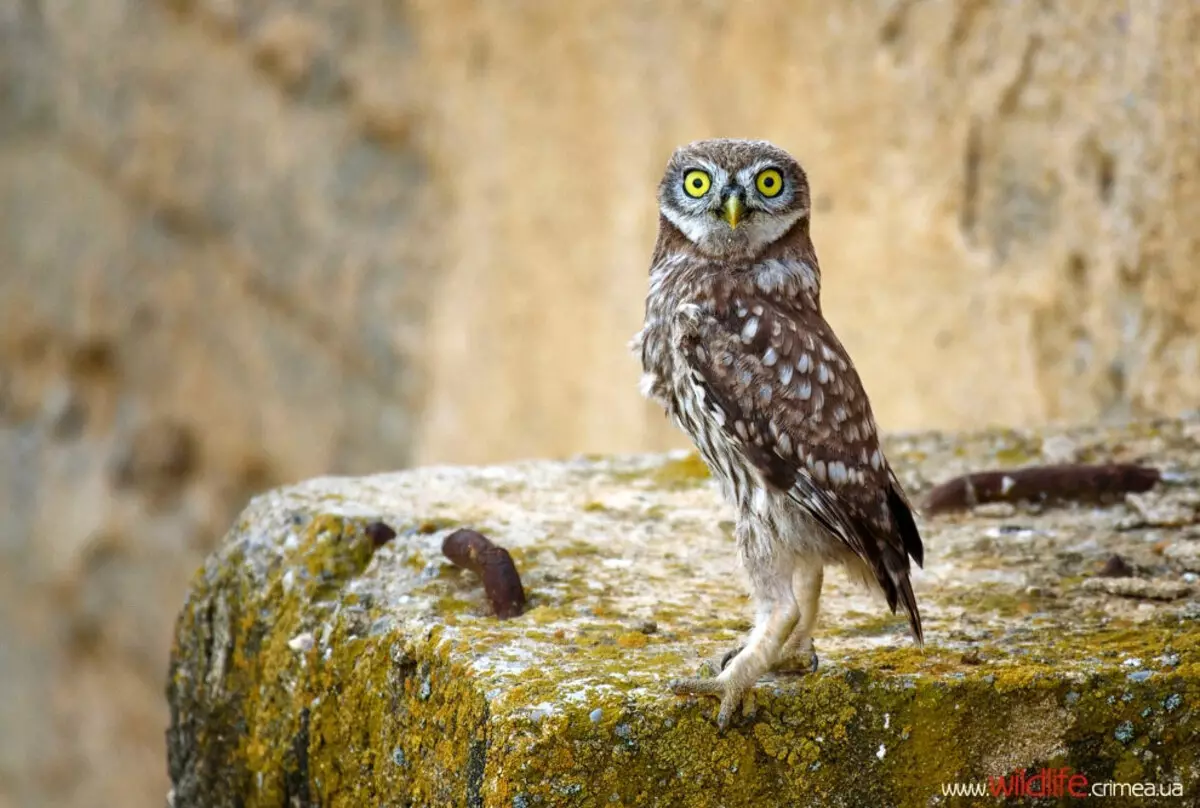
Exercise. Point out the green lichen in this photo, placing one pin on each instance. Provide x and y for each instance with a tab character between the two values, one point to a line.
684	472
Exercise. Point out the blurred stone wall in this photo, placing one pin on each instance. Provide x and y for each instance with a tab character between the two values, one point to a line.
245	243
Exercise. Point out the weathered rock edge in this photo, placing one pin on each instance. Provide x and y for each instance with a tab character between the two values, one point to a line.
311	668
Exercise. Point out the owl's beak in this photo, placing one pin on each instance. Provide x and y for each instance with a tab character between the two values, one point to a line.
734	210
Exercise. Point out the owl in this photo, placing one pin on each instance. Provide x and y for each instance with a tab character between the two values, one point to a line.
736	349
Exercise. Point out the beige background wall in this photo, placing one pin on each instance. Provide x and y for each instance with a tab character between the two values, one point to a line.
1004	202
242	244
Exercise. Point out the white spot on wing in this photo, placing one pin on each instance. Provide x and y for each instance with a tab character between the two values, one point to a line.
822	373
770	357
749	329
804	391
761	503
876	460
785	374
804	364
688	311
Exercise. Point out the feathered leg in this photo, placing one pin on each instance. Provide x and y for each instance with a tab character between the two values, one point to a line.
777	613
798	655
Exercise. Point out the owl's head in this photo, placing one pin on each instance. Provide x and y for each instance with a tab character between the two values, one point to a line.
733	198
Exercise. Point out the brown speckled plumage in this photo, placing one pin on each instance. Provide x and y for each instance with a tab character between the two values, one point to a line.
737	350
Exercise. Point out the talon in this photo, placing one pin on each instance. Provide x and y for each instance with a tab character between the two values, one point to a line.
696	687
749	707
729	655
799	666
731	699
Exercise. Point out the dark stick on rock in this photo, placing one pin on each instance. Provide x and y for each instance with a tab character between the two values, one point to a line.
473	551
1069	482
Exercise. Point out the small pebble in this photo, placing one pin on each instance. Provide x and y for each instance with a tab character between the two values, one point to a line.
1139	676
1115	567
301	642
379	533
1124	732
595	715
1173	702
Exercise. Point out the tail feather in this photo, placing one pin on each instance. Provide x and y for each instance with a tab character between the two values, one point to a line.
910	538
909	535
909	601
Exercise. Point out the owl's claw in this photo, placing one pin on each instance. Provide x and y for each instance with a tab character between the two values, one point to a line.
731	698
799	665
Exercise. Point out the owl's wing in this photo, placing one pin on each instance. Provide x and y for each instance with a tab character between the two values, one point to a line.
786	393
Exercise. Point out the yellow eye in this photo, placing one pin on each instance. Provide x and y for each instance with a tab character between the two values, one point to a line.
769	182
696	182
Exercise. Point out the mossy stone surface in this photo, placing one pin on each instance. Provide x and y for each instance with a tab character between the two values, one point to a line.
313	668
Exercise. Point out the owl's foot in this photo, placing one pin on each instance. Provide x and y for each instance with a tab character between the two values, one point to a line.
797	664
732	696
